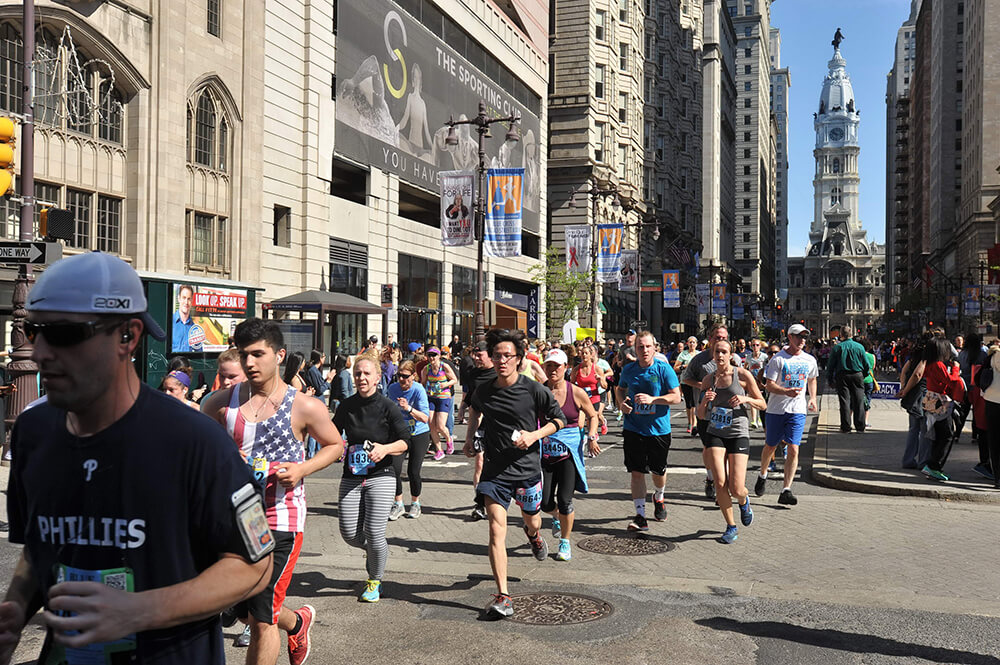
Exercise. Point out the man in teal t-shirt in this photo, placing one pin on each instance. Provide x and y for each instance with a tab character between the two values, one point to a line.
645	391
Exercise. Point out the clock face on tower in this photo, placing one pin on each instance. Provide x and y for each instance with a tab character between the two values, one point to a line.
837	134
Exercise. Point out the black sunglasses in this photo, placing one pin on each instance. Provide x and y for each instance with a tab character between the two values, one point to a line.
66	333
402	377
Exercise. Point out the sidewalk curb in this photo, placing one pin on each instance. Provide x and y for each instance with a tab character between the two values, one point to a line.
826	474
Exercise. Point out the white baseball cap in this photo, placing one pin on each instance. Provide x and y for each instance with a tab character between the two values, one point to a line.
556	356
92	283
798	329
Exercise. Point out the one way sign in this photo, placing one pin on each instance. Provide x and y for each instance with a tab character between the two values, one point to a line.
38	253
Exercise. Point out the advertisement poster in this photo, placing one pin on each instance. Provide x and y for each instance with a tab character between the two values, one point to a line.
991	294
457	208
739	310
577	248
719	299
398	84
972	301
609	249
503	212
951	306
204	318
671	289
703	298
628	278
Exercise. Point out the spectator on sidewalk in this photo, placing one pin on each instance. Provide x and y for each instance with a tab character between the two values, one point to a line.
944	388
847	367
992	398
911	397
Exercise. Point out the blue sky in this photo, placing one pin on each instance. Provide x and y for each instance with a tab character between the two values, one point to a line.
869	28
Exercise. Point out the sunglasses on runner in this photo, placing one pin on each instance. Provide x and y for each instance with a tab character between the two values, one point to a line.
66	333
404	377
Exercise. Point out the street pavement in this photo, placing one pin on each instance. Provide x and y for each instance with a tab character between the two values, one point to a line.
843	577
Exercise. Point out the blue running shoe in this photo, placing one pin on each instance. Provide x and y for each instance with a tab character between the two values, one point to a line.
746	513
565	551
372	592
556	528
729	537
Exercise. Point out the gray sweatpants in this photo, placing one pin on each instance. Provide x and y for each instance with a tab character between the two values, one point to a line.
364	512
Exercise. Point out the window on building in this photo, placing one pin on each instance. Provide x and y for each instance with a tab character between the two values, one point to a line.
746	237
349	268
748	52
206	240
684	178
836	197
623	56
599	25
746	220
748	8
747	69
599	82
747	103
746	86
836	164
623	107
109	228
78	203
282	229
746	186
798	301
746	203
601	140
623	12
746	136
746	169
746	152
746	120
214	17
746	255
210	132
419	205
748	31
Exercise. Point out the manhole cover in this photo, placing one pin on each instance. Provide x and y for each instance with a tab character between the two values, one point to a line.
624	545
558	609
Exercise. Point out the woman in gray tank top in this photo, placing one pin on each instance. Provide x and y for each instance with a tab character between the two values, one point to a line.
727	394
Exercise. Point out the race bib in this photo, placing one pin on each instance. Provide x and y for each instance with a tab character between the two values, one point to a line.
553	449
644	409
794	379
529	498
259	466
721	417
358	460
102	653
412	422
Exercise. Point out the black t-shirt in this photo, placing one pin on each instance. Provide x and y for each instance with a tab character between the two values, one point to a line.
151	493
376	419
480	376
521	406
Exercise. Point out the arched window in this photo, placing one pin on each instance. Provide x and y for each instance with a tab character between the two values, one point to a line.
835	196
209	134
836	164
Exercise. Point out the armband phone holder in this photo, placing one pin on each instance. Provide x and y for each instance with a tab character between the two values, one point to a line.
252	523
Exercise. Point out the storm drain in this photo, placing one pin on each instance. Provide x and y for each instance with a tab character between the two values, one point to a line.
558	609
624	545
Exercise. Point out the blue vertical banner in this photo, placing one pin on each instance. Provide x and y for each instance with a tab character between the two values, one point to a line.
972	301
503	212
739	310
609	250
704	298
719	299
671	289
951	306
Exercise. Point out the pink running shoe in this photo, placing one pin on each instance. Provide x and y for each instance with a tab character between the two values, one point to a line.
449	448
438	456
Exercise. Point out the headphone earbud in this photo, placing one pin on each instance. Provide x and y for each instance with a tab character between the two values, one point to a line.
127	336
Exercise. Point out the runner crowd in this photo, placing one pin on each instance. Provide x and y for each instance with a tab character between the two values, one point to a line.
533	413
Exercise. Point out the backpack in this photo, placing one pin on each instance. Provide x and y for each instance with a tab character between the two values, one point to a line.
984	377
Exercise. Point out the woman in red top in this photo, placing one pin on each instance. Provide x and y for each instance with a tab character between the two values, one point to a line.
592	379
944	388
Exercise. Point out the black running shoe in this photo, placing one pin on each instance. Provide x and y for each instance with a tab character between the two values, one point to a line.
638	523
478	514
786	498
539	547
660	511
709	489
760	486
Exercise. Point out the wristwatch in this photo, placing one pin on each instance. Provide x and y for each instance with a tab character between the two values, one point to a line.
409	409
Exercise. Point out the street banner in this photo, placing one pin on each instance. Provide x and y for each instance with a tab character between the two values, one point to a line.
972	301
951	306
887	390
991	294
703	298
719	299
458	190
739	311
671	289
628	277
397	86
609	248
577	248
503	212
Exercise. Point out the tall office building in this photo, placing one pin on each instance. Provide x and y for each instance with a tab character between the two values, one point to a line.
719	95
755	154
897	157
780	82
977	228
839	281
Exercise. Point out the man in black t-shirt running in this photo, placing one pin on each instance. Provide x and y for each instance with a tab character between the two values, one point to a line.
116	488
511	408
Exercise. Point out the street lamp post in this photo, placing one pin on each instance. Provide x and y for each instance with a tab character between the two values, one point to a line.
656	236
596	193
482	124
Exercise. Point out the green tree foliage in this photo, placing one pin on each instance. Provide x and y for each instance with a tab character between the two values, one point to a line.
565	290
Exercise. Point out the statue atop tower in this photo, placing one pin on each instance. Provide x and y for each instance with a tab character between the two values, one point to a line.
837	38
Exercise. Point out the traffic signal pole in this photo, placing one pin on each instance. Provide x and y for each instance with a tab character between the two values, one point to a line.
22	371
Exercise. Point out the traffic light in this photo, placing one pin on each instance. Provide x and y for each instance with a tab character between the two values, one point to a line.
6	156
56	223
892	310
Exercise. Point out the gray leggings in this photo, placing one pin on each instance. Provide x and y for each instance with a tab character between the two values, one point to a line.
364	511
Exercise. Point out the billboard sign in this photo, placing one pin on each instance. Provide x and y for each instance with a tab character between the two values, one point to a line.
397	86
